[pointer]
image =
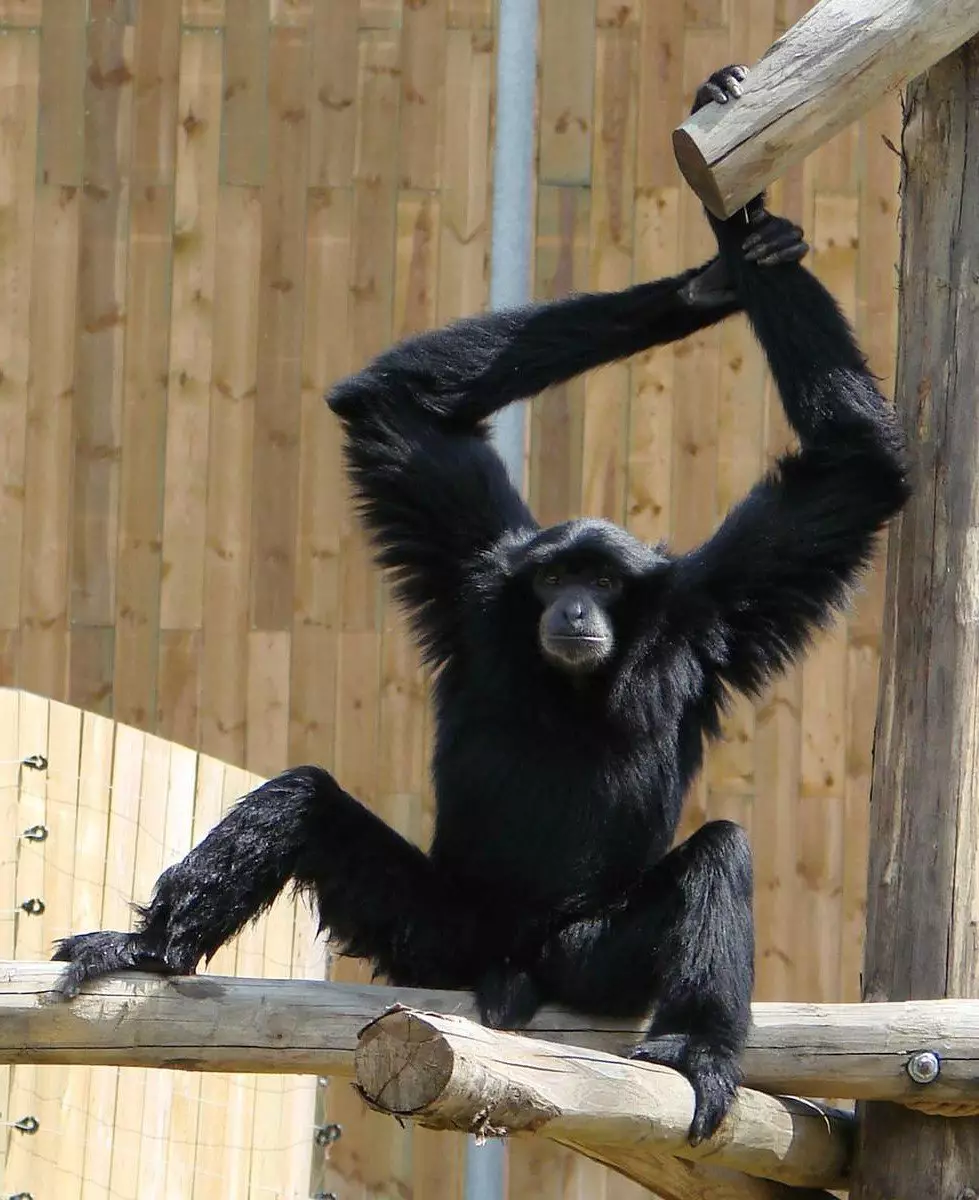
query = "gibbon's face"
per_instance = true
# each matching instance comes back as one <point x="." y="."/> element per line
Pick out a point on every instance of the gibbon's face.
<point x="575" y="631"/>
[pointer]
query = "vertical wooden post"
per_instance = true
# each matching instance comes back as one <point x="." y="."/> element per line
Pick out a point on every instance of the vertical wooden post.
<point x="924" y="868"/>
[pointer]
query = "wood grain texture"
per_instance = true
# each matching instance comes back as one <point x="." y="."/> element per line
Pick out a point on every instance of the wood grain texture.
<point x="921" y="926"/>
<point x="449" y="1073"/>
<point x="837" y="62"/>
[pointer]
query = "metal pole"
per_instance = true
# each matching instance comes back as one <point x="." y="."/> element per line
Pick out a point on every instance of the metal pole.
<point x="513" y="196"/>
<point x="510" y="284"/>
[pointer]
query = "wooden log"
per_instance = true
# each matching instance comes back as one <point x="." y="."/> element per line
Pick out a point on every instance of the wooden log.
<point x="823" y="73"/>
<point x="448" y="1073"/>
<point x="217" y="1023"/>
<point x="924" y="870"/>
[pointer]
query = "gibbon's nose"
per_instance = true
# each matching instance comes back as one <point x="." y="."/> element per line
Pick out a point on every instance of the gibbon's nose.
<point x="574" y="612"/>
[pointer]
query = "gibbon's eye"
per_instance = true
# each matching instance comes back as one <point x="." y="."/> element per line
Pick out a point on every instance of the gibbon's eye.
<point x="551" y="578"/>
<point x="603" y="581"/>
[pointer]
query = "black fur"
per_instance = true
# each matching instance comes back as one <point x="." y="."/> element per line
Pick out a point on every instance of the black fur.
<point x="551" y="876"/>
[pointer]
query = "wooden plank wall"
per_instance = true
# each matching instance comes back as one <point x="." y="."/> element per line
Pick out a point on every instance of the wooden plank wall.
<point x="118" y="805"/>
<point x="212" y="209"/>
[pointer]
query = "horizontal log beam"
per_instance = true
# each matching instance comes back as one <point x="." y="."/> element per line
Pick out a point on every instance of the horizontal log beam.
<point x="833" y="65"/>
<point x="217" y="1023"/>
<point x="449" y="1073"/>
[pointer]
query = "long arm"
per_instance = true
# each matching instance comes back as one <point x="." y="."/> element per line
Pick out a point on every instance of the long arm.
<point x="433" y="494"/>
<point x="785" y="557"/>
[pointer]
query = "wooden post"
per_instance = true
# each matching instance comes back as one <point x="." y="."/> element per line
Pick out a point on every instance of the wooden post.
<point x="823" y="73"/>
<point x="924" y="867"/>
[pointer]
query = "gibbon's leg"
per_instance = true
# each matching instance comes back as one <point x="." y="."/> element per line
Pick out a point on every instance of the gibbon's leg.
<point x="684" y="941"/>
<point x="379" y="895"/>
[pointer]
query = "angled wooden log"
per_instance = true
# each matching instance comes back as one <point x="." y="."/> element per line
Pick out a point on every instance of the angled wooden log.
<point x="448" y="1073"/>
<point x="823" y="73"/>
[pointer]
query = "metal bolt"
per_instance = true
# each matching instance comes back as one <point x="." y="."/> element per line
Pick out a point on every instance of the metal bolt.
<point x="36" y="762"/>
<point x="924" y="1067"/>
<point x="34" y="906"/>
<point x="27" y="1125"/>
<point x="21" y="1196"/>
<point x="326" y="1135"/>
<point x="36" y="833"/>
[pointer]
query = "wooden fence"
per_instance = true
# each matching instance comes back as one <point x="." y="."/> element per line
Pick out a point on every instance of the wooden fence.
<point x="211" y="209"/>
<point x="86" y="830"/>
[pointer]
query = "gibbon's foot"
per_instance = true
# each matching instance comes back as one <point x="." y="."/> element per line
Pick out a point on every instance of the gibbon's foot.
<point x="714" y="1076"/>
<point x="507" y="998"/>
<point x="91" y="955"/>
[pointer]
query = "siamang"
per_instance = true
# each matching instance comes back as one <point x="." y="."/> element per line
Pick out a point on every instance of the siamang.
<point x="576" y="672"/>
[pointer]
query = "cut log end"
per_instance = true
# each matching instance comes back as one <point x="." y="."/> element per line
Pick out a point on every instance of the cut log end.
<point x="402" y="1064"/>
<point x="697" y="173"/>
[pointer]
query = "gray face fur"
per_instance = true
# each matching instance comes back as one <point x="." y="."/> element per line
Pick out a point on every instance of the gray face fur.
<point x="575" y="630"/>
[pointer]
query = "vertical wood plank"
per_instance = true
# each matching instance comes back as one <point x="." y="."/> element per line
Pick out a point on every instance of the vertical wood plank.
<point x="87" y="1090"/>
<point x="179" y="1147"/>
<point x="422" y="94"/>
<point x="649" y="483"/>
<point x="267" y="743"/>
<point x="47" y="495"/>
<point x="558" y="415"/>
<point x="244" y="126"/>
<point x="277" y="406"/>
<point x="208" y="14"/>
<point x="20" y="13"/>
<point x="56" y="1112"/>
<point x="9" y="804"/>
<point x="470" y="14"/>
<point x="179" y="686"/>
<point x="26" y="1090"/>
<point x="612" y="217"/>
<point x="100" y="320"/>
<point x="317" y="601"/>
<point x="372" y="276"/>
<point x="143" y="438"/>
<point x="62" y="80"/>
<point x="333" y="118"/>
<point x="188" y="448"/>
<point x="380" y="14"/>
<point x="227" y="557"/>
<point x="567" y="70"/>
<point x="212" y="1128"/>
<point x="464" y="239"/>
<point x="156" y="60"/>
<point x="660" y="99"/>
<point x="19" y="79"/>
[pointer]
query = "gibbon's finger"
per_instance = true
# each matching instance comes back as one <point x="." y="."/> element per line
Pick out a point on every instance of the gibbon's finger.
<point x="787" y="243"/>
<point x="732" y="86"/>
<point x="788" y="240"/>
<point x="788" y="254"/>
